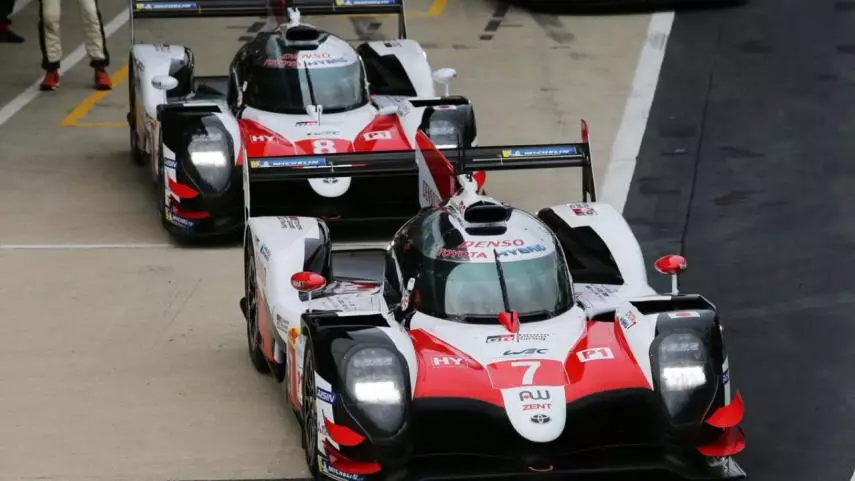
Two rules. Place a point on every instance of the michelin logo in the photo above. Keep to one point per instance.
(336, 473)
(555, 151)
(354, 3)
(166, 6)
(290, 162)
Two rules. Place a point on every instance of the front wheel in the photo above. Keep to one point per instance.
(253, 333)
(310, 414)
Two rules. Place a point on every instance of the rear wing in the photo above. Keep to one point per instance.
(265, 8)
(434, 167)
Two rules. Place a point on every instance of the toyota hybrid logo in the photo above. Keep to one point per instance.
(540, 419)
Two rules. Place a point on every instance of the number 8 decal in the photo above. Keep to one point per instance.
(531, 369)
(323, 146)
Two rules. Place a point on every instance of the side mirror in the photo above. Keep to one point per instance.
(164, 82)
(671, 265)
(444, 76)
(308, 282)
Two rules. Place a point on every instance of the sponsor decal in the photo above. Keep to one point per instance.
(595, 354)
(261, 138)
(391, 44)
(166, 6)
(491, 244)
(536, 406)
(521, 337)
(289, 162)
(683, 314)
(521, 250)
(326, 396)
(335, 473)
(290, 222)
(461, 254)
(304, 59)
(354, 3)
(628, 320)
(582, 209)
(525, 352)
(540, 419)
(551, 151)
(429, 194)
(445, 361)
(281, 323)
(725, 377)
(378, 135)
(306, 123)
(324, 133)
(179, 221)
(265, 251)
(536, 395)
(170, 163)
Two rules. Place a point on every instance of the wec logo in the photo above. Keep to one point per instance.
(525, 352)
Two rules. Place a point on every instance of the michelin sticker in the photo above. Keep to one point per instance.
(355, 3)
(336, 473)
(166, 6)
(289, 162)
(552, 151)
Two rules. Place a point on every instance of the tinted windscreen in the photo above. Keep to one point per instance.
(290, 90)
(460, 290)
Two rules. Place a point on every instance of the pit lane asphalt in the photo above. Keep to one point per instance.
(130, 364)
(747, 168)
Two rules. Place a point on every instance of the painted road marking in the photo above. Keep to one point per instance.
(86, 105)
(74, 119)
(15, 105)
(627, 144)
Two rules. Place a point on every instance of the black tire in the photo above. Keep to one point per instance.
(309, 422)
(137, 156)
(253, 333)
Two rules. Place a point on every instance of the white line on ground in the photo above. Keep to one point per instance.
(15, 105)
(615, 186)
(20, 5)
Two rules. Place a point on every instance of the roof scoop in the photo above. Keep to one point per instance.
(484, 218)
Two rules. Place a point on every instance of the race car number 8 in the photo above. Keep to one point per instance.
(323, 146)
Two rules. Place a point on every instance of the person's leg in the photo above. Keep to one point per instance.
(7, 35)
(96, 43)
(49, 41)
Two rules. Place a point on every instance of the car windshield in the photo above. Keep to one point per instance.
(465, 291)
(289, 90)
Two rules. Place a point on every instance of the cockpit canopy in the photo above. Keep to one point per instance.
(457, 277)
(285, 76)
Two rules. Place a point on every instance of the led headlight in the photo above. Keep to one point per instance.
(444, 134)
(208, 153)
(375, 381)
(684, 375)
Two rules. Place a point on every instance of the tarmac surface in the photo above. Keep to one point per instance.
(747, 168)
(123, 357)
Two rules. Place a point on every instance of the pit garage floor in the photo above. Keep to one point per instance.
(122, 357)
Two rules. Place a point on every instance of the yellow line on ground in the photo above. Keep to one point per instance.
(437, 7)
(89, 102)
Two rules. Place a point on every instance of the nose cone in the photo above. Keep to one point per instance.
(536, 413)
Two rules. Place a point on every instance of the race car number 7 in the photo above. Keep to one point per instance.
(527, 372)
(531, 369)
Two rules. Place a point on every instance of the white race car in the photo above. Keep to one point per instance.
(292, 91)
(484, 341)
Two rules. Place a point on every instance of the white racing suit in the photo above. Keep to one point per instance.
(93, 27)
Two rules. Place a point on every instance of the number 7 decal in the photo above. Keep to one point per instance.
(529, 372)
(531, 369)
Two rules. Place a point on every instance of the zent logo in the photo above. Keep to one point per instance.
(595, 354)
(536, 406)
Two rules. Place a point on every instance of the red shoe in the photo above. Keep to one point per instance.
(102, 80)
(51, 80)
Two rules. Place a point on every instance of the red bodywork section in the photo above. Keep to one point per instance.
(383, 133)
(440, 375)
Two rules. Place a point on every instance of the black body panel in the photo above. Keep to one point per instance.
(221, 200)
(386, 75)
